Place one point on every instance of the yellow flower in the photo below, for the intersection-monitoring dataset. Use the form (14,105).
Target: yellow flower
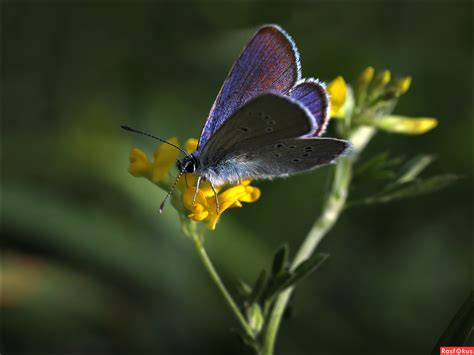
(338,92)
(402,86)
(204,208)
(191,145)
(379,83)
(406,125)
(164,159)
(362,84)
(366,77)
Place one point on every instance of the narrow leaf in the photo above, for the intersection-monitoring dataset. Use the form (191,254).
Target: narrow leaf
(414,167)
(411,189)
(285,280)
(244,289)
(306,268)
(259,287)
(380,167)
(280,261)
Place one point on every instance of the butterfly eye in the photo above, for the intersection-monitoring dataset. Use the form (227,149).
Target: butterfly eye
(191,167)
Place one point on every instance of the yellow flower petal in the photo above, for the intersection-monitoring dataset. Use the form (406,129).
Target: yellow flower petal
(252,194)
(198,217)
(402,86)
(204,208)
(362,84)
(338,92)
(191,145)
(199,205)
(164,159)
(406,125)
(366,77)
(139,163)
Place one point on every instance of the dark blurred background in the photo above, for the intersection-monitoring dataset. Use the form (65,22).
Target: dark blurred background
(88,266)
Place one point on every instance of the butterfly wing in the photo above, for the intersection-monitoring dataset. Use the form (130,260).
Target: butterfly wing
(288,157)
(269,62)
(268,137)
(312,94)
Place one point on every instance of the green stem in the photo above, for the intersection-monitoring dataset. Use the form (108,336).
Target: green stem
(332,208)
(198,244)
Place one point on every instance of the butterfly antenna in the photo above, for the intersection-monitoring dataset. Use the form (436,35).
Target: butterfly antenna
(162,205)
(127,128)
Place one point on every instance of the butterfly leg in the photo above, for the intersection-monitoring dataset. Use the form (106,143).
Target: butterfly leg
(215,195)
(197,189)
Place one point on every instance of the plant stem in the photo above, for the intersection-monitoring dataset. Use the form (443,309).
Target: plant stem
(332,209)
(198,244)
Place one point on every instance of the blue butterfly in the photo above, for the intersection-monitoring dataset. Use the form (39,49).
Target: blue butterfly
(266,121)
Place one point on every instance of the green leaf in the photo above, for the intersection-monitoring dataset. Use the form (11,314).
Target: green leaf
(244,289)
(306,268)
(280,261)
(411,189)
(413,168)
(379,167)
(259,287)
(288,279)
(460,329)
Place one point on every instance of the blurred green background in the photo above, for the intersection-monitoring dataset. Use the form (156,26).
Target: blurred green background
(88,265)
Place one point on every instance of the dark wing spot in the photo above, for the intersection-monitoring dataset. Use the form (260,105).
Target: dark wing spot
(296,160)
(279,145)
(308,149)
(244,129)
(267,117)
(271,122)
(260,114)
(292,147)
(305,155)
(277,155)
(269,129)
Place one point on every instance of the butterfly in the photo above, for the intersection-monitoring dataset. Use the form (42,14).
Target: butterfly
(266,121)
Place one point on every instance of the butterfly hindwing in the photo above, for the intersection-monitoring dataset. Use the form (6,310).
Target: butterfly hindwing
(269,62)
(312,94)
(264,120)
(280,158)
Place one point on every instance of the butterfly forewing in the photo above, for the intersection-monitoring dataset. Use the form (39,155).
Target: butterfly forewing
(269,62)
(265,120)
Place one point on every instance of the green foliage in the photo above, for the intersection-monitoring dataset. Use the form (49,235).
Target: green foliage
(259,299)
(400,180)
